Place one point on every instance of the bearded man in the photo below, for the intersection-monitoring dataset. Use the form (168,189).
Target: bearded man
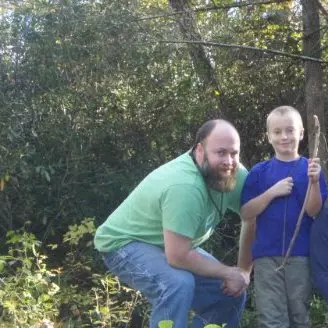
(151,241)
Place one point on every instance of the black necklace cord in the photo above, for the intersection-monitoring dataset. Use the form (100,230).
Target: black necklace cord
(217,208)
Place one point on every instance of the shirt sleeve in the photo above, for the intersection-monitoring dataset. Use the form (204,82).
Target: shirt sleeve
(251,186)
(235,195)
(182,209)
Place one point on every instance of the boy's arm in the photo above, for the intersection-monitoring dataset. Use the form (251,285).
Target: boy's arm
(247,236)
(314,202)
(257,205)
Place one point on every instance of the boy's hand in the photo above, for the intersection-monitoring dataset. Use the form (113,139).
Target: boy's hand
(314,170)
(282,188)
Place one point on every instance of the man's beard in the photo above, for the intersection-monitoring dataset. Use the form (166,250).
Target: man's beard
(215,180)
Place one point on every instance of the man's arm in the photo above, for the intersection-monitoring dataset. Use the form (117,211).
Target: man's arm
(179,253)
(247,236)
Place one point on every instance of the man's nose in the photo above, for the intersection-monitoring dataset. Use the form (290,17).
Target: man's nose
(228,160)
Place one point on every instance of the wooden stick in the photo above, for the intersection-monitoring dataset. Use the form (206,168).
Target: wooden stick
(300,217)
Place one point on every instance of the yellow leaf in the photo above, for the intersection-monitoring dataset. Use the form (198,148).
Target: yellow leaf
(217,92)
(2,184)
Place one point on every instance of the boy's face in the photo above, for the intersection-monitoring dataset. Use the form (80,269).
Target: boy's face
(284,134)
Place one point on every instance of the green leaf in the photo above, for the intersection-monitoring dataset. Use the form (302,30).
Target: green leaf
(165,324)
(2,265)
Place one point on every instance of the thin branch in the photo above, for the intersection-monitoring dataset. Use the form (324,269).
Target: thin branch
(322,9)
(227,45)
(212,8)
(308,190)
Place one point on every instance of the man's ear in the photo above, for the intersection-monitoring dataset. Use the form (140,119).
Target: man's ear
(302,134)
(199,153)
(199,149)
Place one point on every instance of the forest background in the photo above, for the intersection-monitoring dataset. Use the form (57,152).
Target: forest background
(94,94)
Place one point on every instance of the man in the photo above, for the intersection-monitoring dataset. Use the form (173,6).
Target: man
(151,240)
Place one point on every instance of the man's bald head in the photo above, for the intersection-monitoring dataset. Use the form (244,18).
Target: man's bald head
(219,125)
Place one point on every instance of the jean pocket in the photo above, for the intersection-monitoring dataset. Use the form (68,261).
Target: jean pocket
(114,261)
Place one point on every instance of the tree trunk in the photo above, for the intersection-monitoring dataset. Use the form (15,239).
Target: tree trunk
(201,61)
(313,73)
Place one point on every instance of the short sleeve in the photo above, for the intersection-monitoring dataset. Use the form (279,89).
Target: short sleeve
(235,195)
(251,186)
(182,209)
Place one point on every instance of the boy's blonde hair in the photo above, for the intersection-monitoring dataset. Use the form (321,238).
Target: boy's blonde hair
(282,110)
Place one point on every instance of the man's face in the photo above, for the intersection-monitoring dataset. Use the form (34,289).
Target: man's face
(220,158)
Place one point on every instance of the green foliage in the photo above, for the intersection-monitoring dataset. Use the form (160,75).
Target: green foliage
(77,232)
(88,298)
(29,290)
(91,100)
(319,312)
(170,324)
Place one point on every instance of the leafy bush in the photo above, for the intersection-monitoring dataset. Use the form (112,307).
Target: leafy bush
(29,289)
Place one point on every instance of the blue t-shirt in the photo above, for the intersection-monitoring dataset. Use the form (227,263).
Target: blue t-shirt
(276,224)
(319,251)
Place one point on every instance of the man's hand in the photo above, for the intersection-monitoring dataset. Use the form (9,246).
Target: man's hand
(282,188)
(314,170)
(236,283)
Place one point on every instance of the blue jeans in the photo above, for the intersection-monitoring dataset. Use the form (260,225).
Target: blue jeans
(173,292)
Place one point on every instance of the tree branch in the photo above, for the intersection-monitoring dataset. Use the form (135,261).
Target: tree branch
(322,9)
(227,45)
(212,8)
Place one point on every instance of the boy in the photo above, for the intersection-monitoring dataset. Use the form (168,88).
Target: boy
(274,193)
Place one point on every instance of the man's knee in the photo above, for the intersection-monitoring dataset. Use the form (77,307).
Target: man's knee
(182,283)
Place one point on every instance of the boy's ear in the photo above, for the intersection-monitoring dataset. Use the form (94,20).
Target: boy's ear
(269,139)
